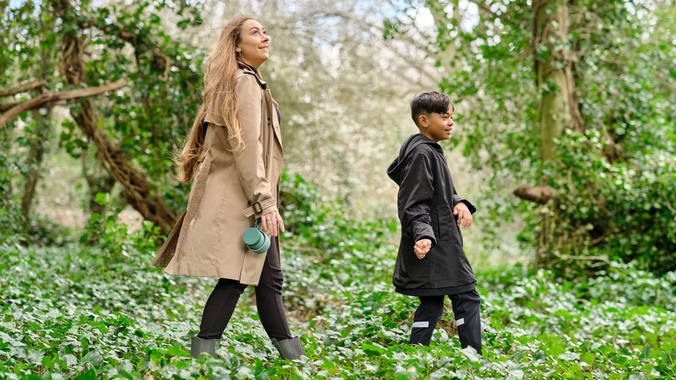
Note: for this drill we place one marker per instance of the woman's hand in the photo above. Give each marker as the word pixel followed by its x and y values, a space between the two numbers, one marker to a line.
pixel 271 223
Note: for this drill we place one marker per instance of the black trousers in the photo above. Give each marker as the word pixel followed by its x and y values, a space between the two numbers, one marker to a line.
pixel 222 301
pixel 467 317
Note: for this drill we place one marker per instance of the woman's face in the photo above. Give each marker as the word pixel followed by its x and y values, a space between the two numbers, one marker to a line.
pixel 254 45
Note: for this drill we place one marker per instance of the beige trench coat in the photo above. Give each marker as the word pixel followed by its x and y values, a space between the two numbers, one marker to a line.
pixel 207 239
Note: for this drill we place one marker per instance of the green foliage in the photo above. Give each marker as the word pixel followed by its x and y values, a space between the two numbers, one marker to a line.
pixel 22 57
pixel 621 211
pixel 298 199
pixel 10 210
pixel 11 219
pixel 601 335
pixel 101 311
pixel 146 119
pixel 149 118
pixel 46 231
pixel 615 176
pixel 113 237
pixel 87 312
pixel 625 283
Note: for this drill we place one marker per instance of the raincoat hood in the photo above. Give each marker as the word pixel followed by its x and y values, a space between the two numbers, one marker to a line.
pixel 394 170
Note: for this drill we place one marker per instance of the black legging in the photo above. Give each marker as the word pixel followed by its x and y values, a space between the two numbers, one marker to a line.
pixel 222 301
pixel 466 311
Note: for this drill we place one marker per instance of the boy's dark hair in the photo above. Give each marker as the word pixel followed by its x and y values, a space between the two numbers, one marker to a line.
pixel 429 102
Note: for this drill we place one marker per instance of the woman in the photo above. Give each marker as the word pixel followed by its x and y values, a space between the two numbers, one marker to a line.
pixel 235 147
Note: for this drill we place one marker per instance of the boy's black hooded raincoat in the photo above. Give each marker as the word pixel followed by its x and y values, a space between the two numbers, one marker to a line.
pixel 425 202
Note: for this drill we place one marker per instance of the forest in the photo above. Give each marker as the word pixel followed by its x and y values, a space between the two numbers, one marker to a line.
pixel 564 140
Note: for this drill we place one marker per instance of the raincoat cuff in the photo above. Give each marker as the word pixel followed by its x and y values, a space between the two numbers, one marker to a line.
pixel 258 208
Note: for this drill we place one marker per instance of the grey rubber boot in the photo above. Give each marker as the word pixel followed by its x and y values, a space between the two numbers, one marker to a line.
pixel 203 346
pixel 289 349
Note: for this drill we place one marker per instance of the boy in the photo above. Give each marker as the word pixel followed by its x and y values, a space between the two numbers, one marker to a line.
pixel 431 262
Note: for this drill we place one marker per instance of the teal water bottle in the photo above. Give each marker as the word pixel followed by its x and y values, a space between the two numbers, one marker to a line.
pixel 256 240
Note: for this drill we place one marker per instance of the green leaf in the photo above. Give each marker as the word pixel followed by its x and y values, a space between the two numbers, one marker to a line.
pixel 177 350
pixel 372 350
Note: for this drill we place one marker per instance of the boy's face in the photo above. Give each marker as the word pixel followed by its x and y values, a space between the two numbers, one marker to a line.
pixel 437 126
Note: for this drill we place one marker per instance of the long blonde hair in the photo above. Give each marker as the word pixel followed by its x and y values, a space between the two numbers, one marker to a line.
pixel 220 77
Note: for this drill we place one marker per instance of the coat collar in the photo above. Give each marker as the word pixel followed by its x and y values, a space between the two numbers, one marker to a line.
pixel 248 69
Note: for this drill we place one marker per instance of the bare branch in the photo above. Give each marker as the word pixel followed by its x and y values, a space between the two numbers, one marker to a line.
pixel 22 88
pixel 48 97
pixel 23 107
pixel 86 92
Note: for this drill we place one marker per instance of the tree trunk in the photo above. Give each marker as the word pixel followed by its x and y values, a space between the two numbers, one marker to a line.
pixel 34 163
pixel 554 81
pixel 553 71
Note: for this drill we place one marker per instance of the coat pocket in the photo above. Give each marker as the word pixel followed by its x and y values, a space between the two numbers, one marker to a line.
pixel 445 222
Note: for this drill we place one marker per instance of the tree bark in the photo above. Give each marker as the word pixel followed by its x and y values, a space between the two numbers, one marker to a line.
pixel 34 161
pixel 552 67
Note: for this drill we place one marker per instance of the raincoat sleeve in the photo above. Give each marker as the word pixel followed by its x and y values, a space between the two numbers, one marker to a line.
pixel 457 199
pixel 416 193
pixel 249 156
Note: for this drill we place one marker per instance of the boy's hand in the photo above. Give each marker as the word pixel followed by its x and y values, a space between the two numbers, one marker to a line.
pixel 421 248
pixel 463 214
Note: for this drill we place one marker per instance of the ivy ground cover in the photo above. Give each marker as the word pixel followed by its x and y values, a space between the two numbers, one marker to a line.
pixel 75 312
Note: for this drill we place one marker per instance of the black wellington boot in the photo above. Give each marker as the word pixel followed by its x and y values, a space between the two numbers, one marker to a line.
pixel 203 346
pixel 289 349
